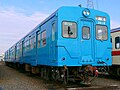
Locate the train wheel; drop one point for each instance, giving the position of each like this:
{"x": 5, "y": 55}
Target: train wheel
{"x": 45, "y": 72}
{"x": 27, "y": 67}
{"x": 50, "y": 73}
{"x": 35, "y": 70}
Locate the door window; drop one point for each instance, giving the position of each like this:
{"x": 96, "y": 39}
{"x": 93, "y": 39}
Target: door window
{"x": 85, "y": 32}
{"x": 53, "y": 31}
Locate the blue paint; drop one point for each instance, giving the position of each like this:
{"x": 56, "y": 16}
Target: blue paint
{"x": 68, "y": 51}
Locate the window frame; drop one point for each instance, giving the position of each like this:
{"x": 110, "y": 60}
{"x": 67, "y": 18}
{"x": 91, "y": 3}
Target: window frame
{"x": 76, "y": 29}
{"x": 89, "y": 33}
{"x": 96, "y": 32}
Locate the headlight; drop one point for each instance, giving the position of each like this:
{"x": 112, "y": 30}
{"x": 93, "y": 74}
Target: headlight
{"x": 100, "y": 18}
{"x": 86, "y": 12}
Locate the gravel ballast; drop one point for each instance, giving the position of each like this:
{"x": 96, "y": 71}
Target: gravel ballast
{"x": 11, "y": 79}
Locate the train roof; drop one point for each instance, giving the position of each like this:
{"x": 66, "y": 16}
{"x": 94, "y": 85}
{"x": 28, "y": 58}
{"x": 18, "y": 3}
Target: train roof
{"x": 115, "y": 30}
{"x": 54, "y": 14}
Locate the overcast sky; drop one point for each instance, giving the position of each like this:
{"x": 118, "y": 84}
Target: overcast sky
{"x": 18, "y": 17}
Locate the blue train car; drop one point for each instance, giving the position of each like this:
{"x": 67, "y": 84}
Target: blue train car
{"x": 69, "y": 39}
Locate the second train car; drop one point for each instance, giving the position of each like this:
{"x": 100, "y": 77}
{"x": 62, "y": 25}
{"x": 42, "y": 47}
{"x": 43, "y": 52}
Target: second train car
{"x": 65, "y": 44}
{"x": 115, "y": 39}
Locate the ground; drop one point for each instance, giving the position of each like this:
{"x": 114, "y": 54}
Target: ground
{"x": 11, "y": 79}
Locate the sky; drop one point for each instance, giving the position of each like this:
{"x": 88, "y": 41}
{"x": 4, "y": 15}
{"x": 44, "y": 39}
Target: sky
{"x": 18, "y": 17}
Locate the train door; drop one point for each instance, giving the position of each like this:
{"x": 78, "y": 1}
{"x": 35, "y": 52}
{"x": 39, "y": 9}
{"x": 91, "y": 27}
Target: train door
{"x": 22, "y": 46}
{"x": 33, "y": 50}
{"x": 38, "y": 44}
{"x": 86, "y": 35}
{"x": 53, "y": 43}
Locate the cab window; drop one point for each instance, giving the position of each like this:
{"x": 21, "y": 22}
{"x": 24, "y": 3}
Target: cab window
{"x": 101, "y": 32}
{"x": 69, "y": 29}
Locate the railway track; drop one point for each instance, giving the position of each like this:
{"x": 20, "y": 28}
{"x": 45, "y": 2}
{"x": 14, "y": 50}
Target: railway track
{"x": 114, "y": 87}
{"x": 77, "y": 86}
{"x": 18, "y": 79}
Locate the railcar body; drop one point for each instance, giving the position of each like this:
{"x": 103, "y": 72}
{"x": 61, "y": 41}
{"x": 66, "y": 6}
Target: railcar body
{"x": 71, "y": 37}
{"x": 115, "y": 39}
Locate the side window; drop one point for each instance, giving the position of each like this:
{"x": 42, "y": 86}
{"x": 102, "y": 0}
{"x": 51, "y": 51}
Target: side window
{"x": 21, "y": 47}
{"x": 117, "y": 42}
{"x": 27, "y": 45}
{"x": 17, "y": 48}
{"x": 85, "y": 32}
{"x": 33, "y": 42}
{"x": 69, "y": 29}
{"x": 30, "y": 43}
{"x": 9, "y": 54}
{"x": 38, "y": 36}
{"x": 44, "y": 38}
{"x": 53, "y": 31}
